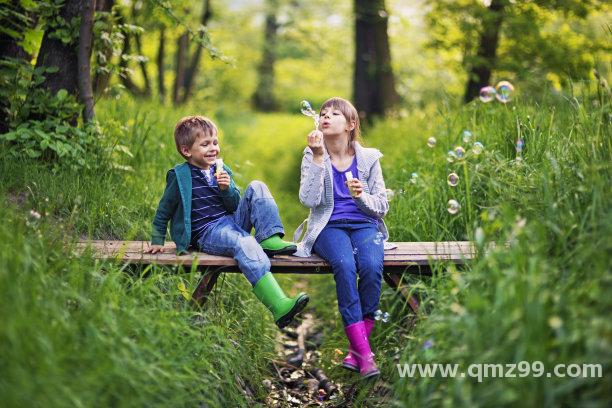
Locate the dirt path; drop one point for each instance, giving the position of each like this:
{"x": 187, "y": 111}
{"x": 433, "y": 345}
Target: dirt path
{"x": 298, "y": 381}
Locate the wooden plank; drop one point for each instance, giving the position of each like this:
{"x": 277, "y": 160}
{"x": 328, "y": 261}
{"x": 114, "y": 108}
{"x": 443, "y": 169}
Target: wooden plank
{"x": 406, "y": 254}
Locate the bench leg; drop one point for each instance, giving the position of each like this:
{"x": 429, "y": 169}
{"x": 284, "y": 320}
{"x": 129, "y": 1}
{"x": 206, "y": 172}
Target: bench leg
{"x": 395, "y": 281}
{"x": 206, "y": 285}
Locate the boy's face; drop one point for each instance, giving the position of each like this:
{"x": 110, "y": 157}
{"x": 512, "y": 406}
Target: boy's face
{"x": 203, "y": 152}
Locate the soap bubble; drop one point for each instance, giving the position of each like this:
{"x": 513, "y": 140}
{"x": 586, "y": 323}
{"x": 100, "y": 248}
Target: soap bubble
{"x": 381, "y": 316}
{"x": 414, "y": 178}
{"x": 431, "y": 142}
{"x": 487, "y": 94}
{"x": 452, "y": 179}
{"x": 453, "y": 206}
{"x": 459, "y": 153}
{"x": 477, "y": 148}
{"x": 466, "y": 136}
{"x": 451, "y": 156}
{"x": 308, "y": 111}
{"x": 306, "y": 108}
{"x": 519, "y": 145}
{"x": 504, "y": 91}
{"x": 390, "y": 194}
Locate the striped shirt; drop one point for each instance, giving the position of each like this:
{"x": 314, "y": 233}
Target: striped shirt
{"x": 206, "y": 202}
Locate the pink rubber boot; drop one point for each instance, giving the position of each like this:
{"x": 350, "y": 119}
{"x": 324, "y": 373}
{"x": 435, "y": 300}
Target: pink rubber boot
{"x": 358, "y": 339}
{"x": 350, "y": 361}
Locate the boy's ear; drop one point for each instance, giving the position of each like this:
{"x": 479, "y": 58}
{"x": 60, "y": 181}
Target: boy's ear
{"x": 185, "y": 151}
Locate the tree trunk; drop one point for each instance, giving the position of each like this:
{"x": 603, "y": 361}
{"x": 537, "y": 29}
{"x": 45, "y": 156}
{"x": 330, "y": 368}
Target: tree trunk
{"x": 54, "y": 53}
{"x": 160, "y": 64}
{"x": 143, "y": 68}
{"x": 195, "y": 60}
{"x": 101, "y": 79}
{"x": 83, "y": 57}
{"x": 480, "y": 71}
{"x": 373, "y": 84}
{"x": 263, "y": 99}
{"x": 126, "y": 78}
{"x": 179, "y": 78}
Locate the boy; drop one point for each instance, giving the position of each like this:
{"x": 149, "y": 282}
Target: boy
{"x": 205, "y": 211}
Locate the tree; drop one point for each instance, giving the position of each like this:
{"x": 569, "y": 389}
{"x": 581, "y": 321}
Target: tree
{"x": 133, "y": 32}
{"x": 373, "y": 84}
{"x": 103, "y": 74}
{"x": 263, "y": 98}
{"x": 535, "y": 42}
{"x": 83, "y": 57}
{"x": 58, "y": 49}
{"x": 186, "y": 67}
{"x": 479, "y": 73}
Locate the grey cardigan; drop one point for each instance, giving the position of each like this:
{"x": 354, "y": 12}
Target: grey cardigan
{"x": 317, "y": 193}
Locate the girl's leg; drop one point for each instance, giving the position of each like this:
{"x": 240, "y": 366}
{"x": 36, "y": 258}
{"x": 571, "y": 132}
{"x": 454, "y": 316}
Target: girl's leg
{"x": 334, "y": 245}
{"x": 369, "y": 257}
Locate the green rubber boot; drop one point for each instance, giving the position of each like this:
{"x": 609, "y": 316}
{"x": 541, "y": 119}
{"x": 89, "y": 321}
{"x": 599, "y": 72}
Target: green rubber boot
{"x": 274, "y": 245}
{"x": 283, "y": 308}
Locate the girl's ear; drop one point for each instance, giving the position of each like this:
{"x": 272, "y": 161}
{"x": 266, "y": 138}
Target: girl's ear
{"x": 351, "y": 125}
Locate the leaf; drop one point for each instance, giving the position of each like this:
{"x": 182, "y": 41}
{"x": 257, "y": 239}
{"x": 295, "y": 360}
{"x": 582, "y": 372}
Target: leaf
{"x": 62, "y": 94}
{"x": 186, "y": 294}
{"x": 33, "y": 153}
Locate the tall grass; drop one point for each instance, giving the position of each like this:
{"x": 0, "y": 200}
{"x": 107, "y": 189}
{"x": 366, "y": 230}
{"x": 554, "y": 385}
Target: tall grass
{"x": 89, "y": 333}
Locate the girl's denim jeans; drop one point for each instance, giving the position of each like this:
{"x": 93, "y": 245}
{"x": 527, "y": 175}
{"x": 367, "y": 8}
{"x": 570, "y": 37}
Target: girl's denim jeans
{"x": 354, "y": 249}
{"x": 231, "y": 235}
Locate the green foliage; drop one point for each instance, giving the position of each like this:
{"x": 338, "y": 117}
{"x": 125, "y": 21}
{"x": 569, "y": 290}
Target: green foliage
{"x": 540, "y": 42}
{"x": 83, "y": 333}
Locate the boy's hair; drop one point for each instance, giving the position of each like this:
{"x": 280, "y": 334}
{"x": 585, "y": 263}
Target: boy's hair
{"x": 349, "y": 112}
{"x": 189, "y": 128}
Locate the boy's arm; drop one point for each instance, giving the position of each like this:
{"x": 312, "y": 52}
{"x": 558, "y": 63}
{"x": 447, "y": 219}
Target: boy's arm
{"x": 231, "y": 196}
{"x": 166, "y": 208}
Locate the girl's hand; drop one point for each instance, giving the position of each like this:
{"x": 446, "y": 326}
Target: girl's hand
{"x": 356, "y": 187}
{"x": 153, "y": 249}
{"x": 223, "y": 180}
{"x": 315, "y": 142}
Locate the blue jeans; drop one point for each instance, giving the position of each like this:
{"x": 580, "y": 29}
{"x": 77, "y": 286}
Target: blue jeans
{"x": 353, "y": 248}
{"x": 231, "y": 235}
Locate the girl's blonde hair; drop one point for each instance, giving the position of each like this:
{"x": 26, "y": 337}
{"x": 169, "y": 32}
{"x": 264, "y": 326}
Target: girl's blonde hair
{"x": 349, "y": 112}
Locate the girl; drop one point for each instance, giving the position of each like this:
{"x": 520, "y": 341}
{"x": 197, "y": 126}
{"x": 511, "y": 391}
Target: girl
{"x": 345, "y": 225}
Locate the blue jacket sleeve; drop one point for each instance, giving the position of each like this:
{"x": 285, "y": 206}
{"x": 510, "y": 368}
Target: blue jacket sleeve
{"x": 231, "y": 196}
{"x": 166, "y": 209}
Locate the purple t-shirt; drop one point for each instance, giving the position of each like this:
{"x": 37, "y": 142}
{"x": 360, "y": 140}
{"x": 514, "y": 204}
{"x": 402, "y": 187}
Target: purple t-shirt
{"x": 344, "y": 205}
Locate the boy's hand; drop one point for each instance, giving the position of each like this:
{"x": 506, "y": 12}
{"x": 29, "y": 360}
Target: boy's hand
{"x": 223, "y": 179}
{"x": 153, "y": 249}
{"x": 356, "y": 187}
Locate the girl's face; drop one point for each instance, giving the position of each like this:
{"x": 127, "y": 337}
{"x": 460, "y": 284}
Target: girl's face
{"x": 333, "y": 122}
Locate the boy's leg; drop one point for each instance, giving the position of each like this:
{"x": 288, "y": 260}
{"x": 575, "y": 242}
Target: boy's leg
{"x": 225, "y": 238}
{"x": 257, "y": 209}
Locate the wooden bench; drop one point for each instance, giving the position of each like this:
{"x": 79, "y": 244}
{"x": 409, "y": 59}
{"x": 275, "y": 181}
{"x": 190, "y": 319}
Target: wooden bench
{"x": 407, "y": 257}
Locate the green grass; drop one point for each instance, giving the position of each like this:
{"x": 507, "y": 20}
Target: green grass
{"x": 89, "y": 333}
